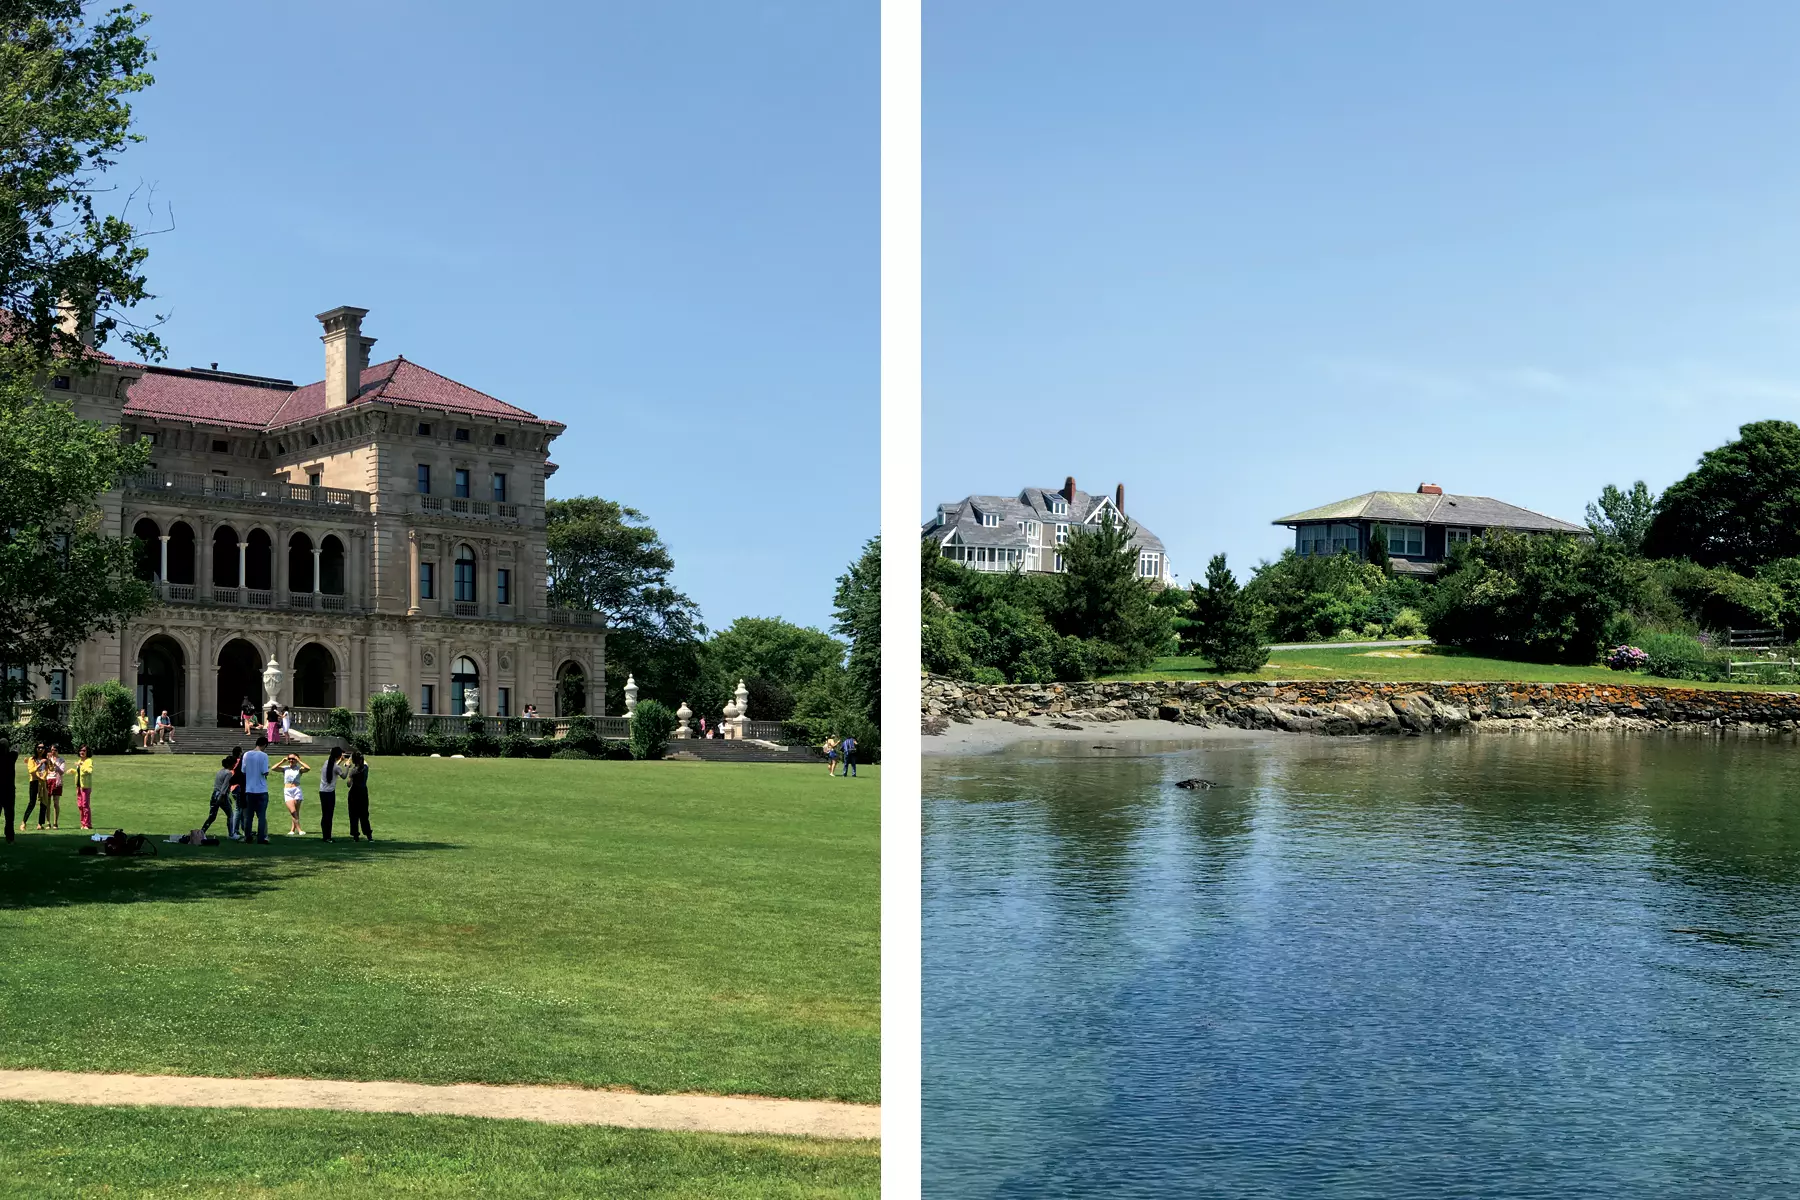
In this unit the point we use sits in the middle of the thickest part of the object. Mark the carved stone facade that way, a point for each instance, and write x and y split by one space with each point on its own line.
383 528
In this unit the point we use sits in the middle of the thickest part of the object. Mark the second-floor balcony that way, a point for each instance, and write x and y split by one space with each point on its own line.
460 506
247 491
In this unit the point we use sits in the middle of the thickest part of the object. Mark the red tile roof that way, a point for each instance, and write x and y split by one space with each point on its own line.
199 396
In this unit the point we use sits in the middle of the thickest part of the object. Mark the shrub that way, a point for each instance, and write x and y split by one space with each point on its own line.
390 722
1627 658
515 745
614 751
989 675
1407 623
651 726
1541 598
481 745
574 754
102 716
1678 656
340 725
45 729
360 742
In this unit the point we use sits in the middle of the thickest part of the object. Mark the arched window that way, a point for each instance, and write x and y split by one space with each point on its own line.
463 676
147 551
465 575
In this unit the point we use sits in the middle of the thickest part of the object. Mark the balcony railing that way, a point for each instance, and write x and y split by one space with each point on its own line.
188 593
253 491
462 507
257 598
570 616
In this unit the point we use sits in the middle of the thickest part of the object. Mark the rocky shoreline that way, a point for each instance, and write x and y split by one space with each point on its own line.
1345 707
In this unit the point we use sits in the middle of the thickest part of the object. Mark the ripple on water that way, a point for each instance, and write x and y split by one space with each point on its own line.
1385 968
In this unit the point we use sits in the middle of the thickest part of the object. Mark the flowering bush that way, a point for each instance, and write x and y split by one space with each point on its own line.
1627 658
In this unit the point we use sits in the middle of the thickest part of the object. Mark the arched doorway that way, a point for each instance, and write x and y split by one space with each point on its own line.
147 553
300 563
463 675
181 553
315 677
571 690
240 678
162 678
331 566
259 561
225 560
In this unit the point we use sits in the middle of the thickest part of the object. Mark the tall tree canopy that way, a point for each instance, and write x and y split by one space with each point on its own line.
776 659
1104 601
607 558
858 610
1623 517
1740 507
65 115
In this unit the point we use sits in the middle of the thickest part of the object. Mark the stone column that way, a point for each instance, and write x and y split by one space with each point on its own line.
203 562
284 654
209 683
412 586
192 694
484 578
243 555
280 573
318 557
163 571
490 684
357 684
443 679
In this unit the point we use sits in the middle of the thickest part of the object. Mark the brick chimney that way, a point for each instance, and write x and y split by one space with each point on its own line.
1069 488
345 354
1119 499
1430 489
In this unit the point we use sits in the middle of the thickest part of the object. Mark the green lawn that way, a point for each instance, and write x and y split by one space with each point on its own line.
70 1150
665 926
1415 663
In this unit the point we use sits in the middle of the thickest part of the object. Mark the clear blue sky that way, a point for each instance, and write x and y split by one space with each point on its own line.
1249 259
656 223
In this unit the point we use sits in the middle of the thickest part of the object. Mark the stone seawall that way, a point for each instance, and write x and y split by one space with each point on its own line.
1350 707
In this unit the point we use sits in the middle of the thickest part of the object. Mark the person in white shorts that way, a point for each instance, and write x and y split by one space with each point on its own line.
291 770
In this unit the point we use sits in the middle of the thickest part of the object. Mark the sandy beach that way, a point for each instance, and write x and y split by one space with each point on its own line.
993 737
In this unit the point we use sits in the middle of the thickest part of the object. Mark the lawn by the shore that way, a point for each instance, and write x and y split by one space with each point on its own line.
78 1151
663 926
1418 664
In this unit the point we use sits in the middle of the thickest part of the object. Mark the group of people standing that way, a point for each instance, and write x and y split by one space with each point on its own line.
242 783
277 721
45 769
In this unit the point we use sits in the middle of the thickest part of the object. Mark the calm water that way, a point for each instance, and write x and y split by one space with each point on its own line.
1481 966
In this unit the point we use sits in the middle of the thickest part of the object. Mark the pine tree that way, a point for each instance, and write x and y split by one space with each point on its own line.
1226 621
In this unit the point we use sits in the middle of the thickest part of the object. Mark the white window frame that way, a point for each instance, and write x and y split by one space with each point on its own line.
1149 564
1062 535
1058 506
1060 568
1456 535
1029 529
1389 531
990 520
1033 559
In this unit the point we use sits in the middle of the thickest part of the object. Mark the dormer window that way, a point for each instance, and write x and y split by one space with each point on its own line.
991 520
1058 506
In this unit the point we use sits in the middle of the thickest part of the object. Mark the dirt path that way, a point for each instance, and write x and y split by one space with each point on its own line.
552 1105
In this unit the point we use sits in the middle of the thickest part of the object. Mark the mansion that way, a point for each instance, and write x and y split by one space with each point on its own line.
1024 532
380 529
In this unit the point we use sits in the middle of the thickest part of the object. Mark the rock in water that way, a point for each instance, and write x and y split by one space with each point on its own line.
1197 785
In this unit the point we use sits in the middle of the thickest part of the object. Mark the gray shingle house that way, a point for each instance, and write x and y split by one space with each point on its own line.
1001 533
1421 526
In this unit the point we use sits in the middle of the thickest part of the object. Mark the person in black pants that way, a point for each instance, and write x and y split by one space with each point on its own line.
359 798
328 780
9 792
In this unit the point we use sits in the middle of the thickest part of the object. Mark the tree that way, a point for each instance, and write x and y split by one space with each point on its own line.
1623 517
1740 507
64 117
1539 598
1225 621
606 558
651 726
1105 601
776 659
1378 547
857 607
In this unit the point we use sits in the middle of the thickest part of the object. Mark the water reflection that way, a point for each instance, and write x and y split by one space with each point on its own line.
1496 966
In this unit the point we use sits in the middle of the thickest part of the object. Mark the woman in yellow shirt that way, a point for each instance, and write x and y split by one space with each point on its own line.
84 787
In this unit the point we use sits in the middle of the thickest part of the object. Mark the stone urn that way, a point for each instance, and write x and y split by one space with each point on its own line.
728 728
471 701
743 708
272 680
631 695
683 715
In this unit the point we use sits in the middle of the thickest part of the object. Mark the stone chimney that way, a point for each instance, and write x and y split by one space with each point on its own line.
344 350
1119 499
1069 488
364 345
1430 489
73 322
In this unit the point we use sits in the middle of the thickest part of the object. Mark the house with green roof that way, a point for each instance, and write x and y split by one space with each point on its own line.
1421 527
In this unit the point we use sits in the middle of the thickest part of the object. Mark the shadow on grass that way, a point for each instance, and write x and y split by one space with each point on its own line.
48 870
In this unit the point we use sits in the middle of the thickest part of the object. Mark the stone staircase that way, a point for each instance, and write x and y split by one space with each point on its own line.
717 750
217 742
